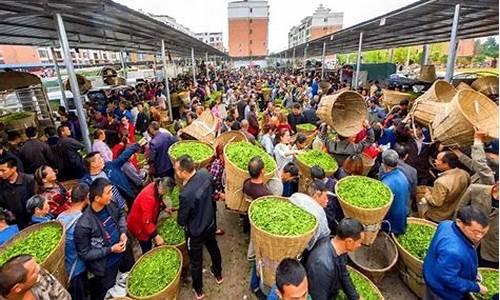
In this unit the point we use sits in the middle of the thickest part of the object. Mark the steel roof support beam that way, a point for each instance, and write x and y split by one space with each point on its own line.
75 89
193 62
323 61
59 78
452 48
165 76
358 62
124 67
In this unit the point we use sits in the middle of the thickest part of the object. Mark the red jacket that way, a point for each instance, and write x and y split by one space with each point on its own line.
143 216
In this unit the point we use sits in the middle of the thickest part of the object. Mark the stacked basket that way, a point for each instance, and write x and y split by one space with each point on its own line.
434 100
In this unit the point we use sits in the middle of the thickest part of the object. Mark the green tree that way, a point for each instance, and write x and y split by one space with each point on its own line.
479 59
490 47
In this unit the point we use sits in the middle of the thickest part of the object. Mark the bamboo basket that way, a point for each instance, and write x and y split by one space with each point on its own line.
198 164
468 110
181 246
305 175
83 84
229 136
376 260
371 218
424 111
440 91
184 97
270 249
203 128
324 86
463 86
410 261
482 269
351 269
391 98
413 281
368 163
487 85
266 92
170 291
55 262
427 73
344 112
235 177
69 184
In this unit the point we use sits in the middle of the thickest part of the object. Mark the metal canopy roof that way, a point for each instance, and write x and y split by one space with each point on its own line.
93 24
422 22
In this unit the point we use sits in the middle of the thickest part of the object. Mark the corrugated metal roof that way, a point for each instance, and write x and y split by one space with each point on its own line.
422 22
93 24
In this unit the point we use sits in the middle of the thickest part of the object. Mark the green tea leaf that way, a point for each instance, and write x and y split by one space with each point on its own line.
240 154
363 192
171 232
363 287
490 281
196 150
318 158
305 127
417 239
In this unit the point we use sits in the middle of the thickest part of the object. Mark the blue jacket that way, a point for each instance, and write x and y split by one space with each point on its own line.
115 174
450 266
397 182
388 137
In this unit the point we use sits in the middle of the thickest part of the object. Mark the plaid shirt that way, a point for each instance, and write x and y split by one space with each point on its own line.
217 170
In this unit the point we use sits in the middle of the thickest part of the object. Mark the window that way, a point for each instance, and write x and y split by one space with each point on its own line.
326 20
325 28
211 39
1 58
58 54
43 53
250 31
250 20
250 42
251 10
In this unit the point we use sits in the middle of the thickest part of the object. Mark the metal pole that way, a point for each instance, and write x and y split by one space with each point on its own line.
293 60
408 56
452 48
154 64
358 61
77 98
425 55
323 61
206 63
193 62
59 78
165 76
391 54
124 70
304 62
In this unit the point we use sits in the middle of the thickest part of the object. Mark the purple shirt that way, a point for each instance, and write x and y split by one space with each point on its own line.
103 149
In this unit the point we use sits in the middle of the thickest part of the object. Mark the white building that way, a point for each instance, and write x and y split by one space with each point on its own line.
170 22
214 39
83 56
321 23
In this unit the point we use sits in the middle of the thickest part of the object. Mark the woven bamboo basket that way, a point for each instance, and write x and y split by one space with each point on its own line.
344 112
270 249
368 163
468 110
181 246
472 296
172 289
198 164
229 136
83 84
352 270
305 175
20 124
235 177
427 73
424 111
203 128
55 262
391 98
440 91
410 261
463 86
377 260
487 85
413 281
370 217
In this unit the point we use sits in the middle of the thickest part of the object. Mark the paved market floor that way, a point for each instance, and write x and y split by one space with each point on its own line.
236 268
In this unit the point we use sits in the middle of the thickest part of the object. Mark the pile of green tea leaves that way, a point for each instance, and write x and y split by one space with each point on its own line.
173 197
363 192
39 244
240 154
154 273
15 116
281 217
171 232
363 287
196 150
318 158
305 127
417 239
490 281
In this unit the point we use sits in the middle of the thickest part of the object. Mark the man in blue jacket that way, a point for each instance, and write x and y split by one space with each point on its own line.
160 163
111 170
396 180
450 266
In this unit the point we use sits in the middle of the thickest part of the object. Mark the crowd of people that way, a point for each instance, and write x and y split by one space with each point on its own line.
120 183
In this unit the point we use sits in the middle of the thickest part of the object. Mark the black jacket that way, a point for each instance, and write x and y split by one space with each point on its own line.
34 154
91 245
327 273
196 209
294 120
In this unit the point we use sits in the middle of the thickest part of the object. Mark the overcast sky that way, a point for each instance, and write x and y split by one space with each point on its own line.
204 15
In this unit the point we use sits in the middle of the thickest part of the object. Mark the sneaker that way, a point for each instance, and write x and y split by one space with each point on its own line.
198 296
218 279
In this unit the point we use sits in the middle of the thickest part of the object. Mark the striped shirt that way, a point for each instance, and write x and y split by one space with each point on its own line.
117 197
